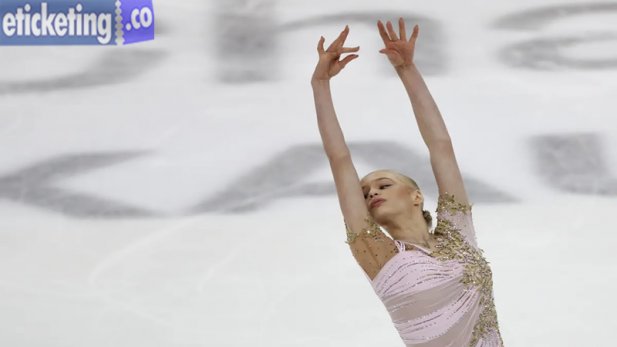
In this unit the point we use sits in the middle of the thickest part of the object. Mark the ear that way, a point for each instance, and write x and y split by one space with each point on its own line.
417 197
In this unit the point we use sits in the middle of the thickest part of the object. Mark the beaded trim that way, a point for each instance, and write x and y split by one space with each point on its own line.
452 245
373 231
447 202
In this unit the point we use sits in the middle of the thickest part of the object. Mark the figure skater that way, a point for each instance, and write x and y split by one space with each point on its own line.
436 284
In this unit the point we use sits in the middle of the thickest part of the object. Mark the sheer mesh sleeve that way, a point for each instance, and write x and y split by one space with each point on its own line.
371 247
454 215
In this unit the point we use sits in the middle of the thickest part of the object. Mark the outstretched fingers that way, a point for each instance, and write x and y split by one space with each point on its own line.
388 51
391 31
382 32
347 60
349 49
340 40
388 34
414 35
401 29
320 49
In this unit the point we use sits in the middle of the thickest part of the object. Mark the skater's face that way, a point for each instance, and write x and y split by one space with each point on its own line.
397 196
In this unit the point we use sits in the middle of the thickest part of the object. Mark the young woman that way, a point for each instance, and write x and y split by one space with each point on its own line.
436 284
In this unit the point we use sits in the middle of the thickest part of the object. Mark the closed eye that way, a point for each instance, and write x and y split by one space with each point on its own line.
380 187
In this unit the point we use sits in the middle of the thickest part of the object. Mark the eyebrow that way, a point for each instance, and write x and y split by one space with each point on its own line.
380 178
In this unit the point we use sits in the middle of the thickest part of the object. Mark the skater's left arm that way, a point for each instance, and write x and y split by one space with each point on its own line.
432 127
435 134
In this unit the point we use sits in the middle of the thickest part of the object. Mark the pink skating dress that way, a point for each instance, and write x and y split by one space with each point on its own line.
442 298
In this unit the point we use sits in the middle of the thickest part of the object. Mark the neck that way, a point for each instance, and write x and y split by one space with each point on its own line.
414 230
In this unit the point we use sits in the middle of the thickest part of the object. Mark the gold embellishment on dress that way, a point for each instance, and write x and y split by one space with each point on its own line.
372 230
449 203
477 273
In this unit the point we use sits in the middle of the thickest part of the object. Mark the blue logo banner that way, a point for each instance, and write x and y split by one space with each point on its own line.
75 22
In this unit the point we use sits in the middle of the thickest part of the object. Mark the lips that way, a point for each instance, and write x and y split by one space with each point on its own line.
376 202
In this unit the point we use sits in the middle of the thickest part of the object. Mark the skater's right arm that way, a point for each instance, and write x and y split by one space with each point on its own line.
369 245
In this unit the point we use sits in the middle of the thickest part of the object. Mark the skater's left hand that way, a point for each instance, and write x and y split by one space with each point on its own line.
399 50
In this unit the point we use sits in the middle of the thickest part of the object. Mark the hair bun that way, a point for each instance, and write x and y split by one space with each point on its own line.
427 217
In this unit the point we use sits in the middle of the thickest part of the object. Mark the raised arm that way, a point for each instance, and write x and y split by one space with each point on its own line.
371 248
327 67
400 52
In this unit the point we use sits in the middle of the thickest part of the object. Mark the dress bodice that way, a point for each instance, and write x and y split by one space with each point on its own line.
442 297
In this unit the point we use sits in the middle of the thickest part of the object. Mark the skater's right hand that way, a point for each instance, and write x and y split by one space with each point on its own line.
329 64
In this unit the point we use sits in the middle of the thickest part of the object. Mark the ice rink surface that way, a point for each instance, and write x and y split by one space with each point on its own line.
175 192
